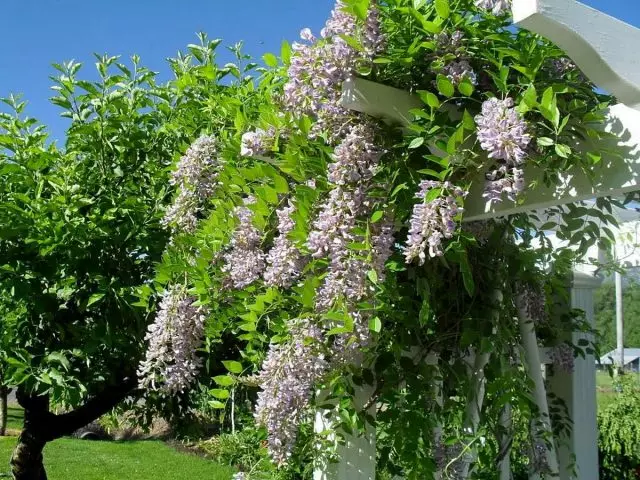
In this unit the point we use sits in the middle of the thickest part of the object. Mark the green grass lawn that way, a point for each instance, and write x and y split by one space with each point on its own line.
605 388
71 459
14 418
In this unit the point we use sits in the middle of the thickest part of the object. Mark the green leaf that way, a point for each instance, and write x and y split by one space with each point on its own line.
548 226
530 97
545 141
563 150
377 216
468 121
224 380
220 393
373 276
217 405
418 4
467 276
270 59
442 8
445 87
429 98
375 324
466 88
416 142
96 297
59 358
285 52
232 366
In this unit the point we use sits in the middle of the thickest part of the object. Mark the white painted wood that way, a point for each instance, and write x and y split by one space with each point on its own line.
613 176
584 404
532 365
357 457
506 423
380 101
602 46
475 401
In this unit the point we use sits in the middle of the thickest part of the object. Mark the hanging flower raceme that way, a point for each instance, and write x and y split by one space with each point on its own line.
562 357
533 301
446 43
497 7
432 221
284 261
171 363
196 178
355 162
382 242
244 262
319 67
502 132
257 143
460 70
287 379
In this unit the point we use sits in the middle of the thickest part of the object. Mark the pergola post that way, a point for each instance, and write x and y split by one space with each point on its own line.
578 391
356 458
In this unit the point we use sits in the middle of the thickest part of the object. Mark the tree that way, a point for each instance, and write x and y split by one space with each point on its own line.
605 311
80 231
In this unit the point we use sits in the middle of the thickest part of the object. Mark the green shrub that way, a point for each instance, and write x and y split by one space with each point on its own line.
619 439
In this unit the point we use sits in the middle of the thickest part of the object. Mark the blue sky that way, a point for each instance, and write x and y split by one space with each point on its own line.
36 33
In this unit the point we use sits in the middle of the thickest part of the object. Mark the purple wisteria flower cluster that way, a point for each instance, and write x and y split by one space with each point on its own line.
288 376
244 262
460 70
497 7
355 163
533 301
502 132
258 142
196 178
562 357
320 66
172 363
446 43
284 260
432 221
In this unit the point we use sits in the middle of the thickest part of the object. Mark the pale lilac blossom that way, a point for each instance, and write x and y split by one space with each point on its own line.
502 132
244 262
497 7
562 357
433 221
319 67
284 260
195 177
257 143
459 70
287 379
171 363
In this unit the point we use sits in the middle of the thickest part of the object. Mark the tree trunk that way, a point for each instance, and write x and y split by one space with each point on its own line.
27 461
42 426
4 393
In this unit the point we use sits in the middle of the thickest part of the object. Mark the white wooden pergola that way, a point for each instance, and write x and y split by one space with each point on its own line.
604 49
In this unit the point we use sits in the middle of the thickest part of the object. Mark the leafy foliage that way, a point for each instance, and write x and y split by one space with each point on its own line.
605 310
619 434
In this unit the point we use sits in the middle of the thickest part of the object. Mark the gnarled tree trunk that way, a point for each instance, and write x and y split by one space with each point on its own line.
4 394
42 426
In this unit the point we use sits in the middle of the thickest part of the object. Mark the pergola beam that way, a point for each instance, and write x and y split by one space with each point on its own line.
613 176
592 39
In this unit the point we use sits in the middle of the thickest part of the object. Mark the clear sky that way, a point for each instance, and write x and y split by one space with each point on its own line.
36 33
